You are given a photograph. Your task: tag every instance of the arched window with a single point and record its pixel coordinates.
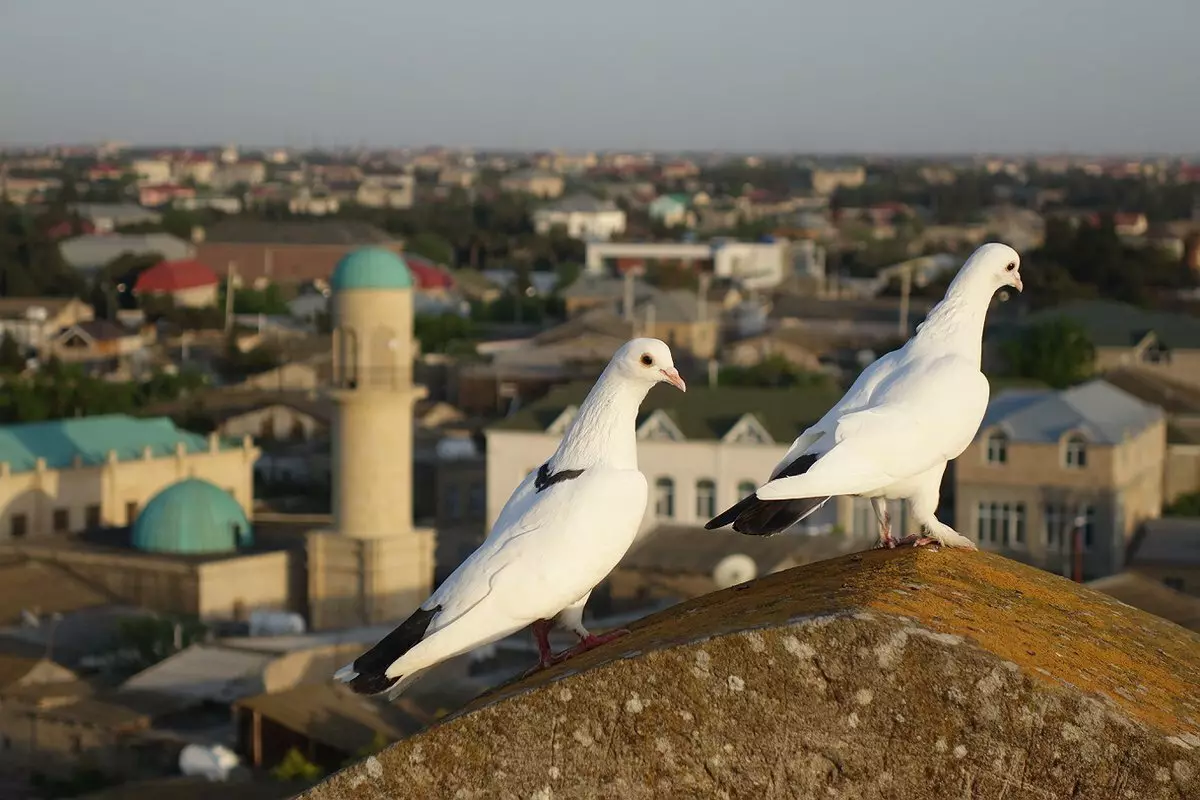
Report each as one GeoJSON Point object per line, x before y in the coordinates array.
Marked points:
{"type": "Point", "coordinates": [1075, 453]}
{"type": "Point", "coordinates": [746, 488]}
{"type": "Point", "coordinates": [664, 498]}
{"type": "Point", "coordinates": [298, 429]}
{"type": "Point", "coordinates": [706, 499]}
{"type": "Point", "coordinates": [997, 448]}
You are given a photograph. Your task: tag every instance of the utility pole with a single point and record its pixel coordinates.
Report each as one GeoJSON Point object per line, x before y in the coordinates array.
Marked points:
{"type": "Point", "coordinates": [230, 272]}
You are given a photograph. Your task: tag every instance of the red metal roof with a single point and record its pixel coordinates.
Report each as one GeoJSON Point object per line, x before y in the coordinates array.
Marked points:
{"type": "Point", "coordinates": [426, 274]}
{"type": "Point", "coordinates": [175, 276]}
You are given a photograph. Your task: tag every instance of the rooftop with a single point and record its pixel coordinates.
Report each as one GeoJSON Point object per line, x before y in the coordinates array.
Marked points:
{"type": "Point", "coordinates": [1139, 591]}
{"type": "Point", "coordinates": [92, 439]}
{"type": "Point", "coordinates": [1111, 324]}
{"type": "Point", "coordinates": [1169, 541]}
{"type": "Point", "coordinates": [700, 413]}
{"type": "Point", "coordinates": [372, 268]}
{"type": "Point", "coordinates": [245, 231]}
{"type": "Point", "coordinates": [175, 276]}
{"type": "Point", "coordinates": [683, 549]}
{"type": "Point", "coordinates": [192, 516]}
{"type": "Point", "coordinates": [1099, 411]}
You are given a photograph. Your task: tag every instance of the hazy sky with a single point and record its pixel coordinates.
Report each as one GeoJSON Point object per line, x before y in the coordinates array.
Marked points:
{"type": "Point", "coordinates": [840, 75]}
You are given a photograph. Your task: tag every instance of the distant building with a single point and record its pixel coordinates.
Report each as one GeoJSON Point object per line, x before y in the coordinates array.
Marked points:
{"type": "Point", "coordinates": [34, 321]}
{"type": "Point", "coordinates": [672, 210]}
{"type": "Point", "coordinates": [1126, 335]}
{"type": "Point", "coordinates": [701, 451]}
{"type": "Point", "coordinates": [89, 253]}
{"type": "Point", "coordinates": [1168, 550]}
{"type": "Point", "coordinates": [755, 265]}
{"type": "Point", "coordinates": [248, 173]}
{"type": "Point", "coordinates": [286, 252]}
{"type": "Point", "coordinates": [386, 191]}
{"type": "Point", "coordinates": [163, 194]}
{"type": "Point", "coordinates": [188, 283]}
{"type": "Point", "coordinates": [827, 181]}
{"type": "Point", "coordinates": [94, 340]}
{"type": "Point", "coordinates": [534, 182]}
{"type": "Point", "coordinates": [107, 217]}
{"type": "Point", "coordinates": [582, 217]}
{"type": "Point", "coordinates": [152, 171]}
{"type": "Point", "coordinates": [1048, 464]}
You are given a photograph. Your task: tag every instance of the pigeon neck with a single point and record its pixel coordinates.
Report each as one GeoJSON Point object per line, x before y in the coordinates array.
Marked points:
{"type": "Point", "coordinates": [958, 320]}
{"type": "Point", "coordinates": [603, 429]}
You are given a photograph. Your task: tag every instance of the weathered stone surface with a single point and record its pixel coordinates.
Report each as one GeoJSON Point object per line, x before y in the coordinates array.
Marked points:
{"type": "Point", "coordinates": [901, 674]}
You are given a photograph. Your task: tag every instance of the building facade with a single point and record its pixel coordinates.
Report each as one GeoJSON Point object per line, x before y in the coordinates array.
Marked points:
{"type": "Point", "coordinates": [1062, 480]}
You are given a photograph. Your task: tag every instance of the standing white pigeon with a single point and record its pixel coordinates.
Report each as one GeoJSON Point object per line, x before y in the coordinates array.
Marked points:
{"type": "Point", "coordinates": [909, 413]}
{"type": "Point", "coordinates": [563, 530]}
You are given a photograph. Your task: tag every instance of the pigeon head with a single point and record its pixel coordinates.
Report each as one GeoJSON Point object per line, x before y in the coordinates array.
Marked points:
{"type": "Point", "coordinates": [996, 266]}
{"type": "Point", "coordinates": [648, 360]}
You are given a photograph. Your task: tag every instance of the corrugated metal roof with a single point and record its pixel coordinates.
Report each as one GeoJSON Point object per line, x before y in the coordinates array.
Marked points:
{"type": "Point", "coordinates": [1168, 541]}
{"type": "Point", "coordinates": [1099, 411]}
{"type": "Point", "coordinates": [91, 439]}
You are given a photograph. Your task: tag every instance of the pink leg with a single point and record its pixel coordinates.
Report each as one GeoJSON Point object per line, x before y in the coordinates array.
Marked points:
{"type": "Point", "coordinates": [885, 527]}
{"type": "Point", "coordinates": [917, 541]}
{"type": "Point", "coordinates": [541, 635]}
{"type": "Point", "coordinates": [589, 642]}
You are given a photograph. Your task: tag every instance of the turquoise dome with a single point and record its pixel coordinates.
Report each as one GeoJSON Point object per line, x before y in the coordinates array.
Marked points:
{"type": "Point", "coordinates": [371, 268]}
{"type": "Point", "coordinates": [191, 517]}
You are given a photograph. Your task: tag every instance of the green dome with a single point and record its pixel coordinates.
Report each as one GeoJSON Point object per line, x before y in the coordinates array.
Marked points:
{"type": "Point", "coordinates": [371, 268]}
{"type": "Point", "coordinates": [192, 516]}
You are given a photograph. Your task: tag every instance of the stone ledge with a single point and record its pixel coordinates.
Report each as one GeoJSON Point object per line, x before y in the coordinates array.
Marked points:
{"type": "Point", "coordinates": [906, 673]}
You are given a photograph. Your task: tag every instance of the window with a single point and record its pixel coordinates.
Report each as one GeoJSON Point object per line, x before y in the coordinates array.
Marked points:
{"type": "Point", "coordinates": [1174, 583]}
{"type": "Point", "coordinates": [746, 488]}
{"type": "Point", "coordinates": [475, 497]}
{"type": "Point", "coordinates": [131, 511]}
{"type": "Point", "coordinates": [266, 429]}
{"type": "Point", "coordinates": [997, 448]}
{"type": "Point", "coordinates": [76, 744]}
{"type": "Point", "coordinates": [20, 526]}
{"type": "Point", "coordinates": [62, 520]}
{"type": "Point", "coordinates": [298, 430]}
{"type": "Point", "coordinates": [1001, 523]}
{"type": "Point", "coordinates": [453, 510]}
{"type": "Point", "coordinates": [1075, 453]}
{"type": "Point", "coordinates": [664, 498]}
{"type": "Point", "coordinates": [1061, 522]}
{"type": "Point", "coordinates": [706, 499]}
{"type": "Point", "coordinates": [91, 517]}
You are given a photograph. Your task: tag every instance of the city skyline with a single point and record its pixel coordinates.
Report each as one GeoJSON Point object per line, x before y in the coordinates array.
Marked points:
{"type": "Point", "coordinates": [934, 80]}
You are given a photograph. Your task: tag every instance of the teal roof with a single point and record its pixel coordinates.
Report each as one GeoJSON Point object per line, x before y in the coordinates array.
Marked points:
{"type": "Point", "coordinates": [371, 268]}
{"type": "Point", "coordinates": [60, 441]}
{"type": "Point", "coordinates": [192, 516]}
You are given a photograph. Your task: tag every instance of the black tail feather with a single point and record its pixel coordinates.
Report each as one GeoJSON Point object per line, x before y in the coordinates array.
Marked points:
{"type": "Point", "coordinates": [766, 517]}
{"type": "Point", "coordinates": [371, 667]}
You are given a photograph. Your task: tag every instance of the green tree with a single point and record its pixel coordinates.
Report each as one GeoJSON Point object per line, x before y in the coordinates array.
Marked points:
{"type": "Point", "coordinates": [1186, 505]}
{"type": "Point", "coordinates": [432, 246]}
{"type": "Point", "coordinates": [1057, 353]}
{"type": "Point", "coordinates": [11, 358]}
{"type": "Point", "coordinates": [438, 333]}
{"type": "Point", "coordinates": [295, 767]}
{"type": "Point", "coordinates": [774, 371]}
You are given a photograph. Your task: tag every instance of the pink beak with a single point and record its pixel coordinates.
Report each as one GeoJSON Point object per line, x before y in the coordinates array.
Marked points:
{"type": "Point", "coordinates": [675, 378]}
{"type": "Point", "coordinates": [1017, 283]}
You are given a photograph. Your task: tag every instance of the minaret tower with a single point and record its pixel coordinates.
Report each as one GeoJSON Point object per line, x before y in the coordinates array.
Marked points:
{"type": "Point", "coordinates": [374, 566]}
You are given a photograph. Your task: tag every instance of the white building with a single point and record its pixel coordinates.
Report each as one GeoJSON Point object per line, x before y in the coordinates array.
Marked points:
{"type": "Point", "coordinates": [584, 217]}
{"type": "Point", "coordinates": [701, 451]}
{"type": "Point", "coordinates": [755, 265]}
{"type": "Point", "coordinates": [152, 171]}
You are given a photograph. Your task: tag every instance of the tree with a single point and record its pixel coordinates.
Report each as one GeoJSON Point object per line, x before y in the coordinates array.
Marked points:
{"type": "Point", "coordinates": [295, 767]}
{"type": "Point", "coordinates": [11, 357]}
{"type": "Point", "coordinates": [775, 372]}
{"type": "Point", "coordinates": [432, 246]}
{"type": "Point", "coordinates": [1186, 505]}
{"type": "Point", "coordinates": [1057, 353]}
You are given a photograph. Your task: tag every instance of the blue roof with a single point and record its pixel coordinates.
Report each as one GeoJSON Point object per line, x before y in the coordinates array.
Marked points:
{"type": "Point", "coordinates": [371, 268]}
{"type": "Point", "coordinates": [190, 517]}
{"type": "Point", "coordinates": [60, 441]}
{"type": "Point", "coordinates": [1099, 411]}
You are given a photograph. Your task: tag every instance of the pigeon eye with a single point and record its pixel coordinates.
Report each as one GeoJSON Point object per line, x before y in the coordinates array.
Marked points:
{"type": "Point", "coordinates": [647, 360]}
{"type": "Point", "coordinates": [1011, 266]}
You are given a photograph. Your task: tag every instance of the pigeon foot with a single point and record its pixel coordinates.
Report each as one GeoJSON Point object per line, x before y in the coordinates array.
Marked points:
{"type": "Point", "coordinates": [590, 642]}
{"type": "Point", "coordinates": [919, 541]}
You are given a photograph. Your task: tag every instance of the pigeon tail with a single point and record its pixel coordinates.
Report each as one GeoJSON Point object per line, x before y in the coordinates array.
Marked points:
{"type": "Point", "coordinates": [368, 673]}
{"type": "Point", "coordinates": [757, 517]}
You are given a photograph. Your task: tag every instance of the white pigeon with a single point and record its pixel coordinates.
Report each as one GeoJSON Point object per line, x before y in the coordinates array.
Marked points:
{"type": "Point", "coordinates": [906, 415]}
{"type": "Point", "coordinates": [563, 530]}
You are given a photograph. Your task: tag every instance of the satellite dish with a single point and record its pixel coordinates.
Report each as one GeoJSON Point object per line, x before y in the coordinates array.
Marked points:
{"type": "Point", "coordinates": [734, 569]}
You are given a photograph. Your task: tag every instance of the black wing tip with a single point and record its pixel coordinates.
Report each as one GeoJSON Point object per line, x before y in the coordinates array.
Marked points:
{"type": "Point", "coordinates": [376, 683]}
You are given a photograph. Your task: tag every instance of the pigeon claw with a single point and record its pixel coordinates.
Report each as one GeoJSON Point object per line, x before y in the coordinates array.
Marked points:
{"type": "Point", "coordinates": [917, 540]}
{"type": "Point", "coordinates": [590, 642]}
